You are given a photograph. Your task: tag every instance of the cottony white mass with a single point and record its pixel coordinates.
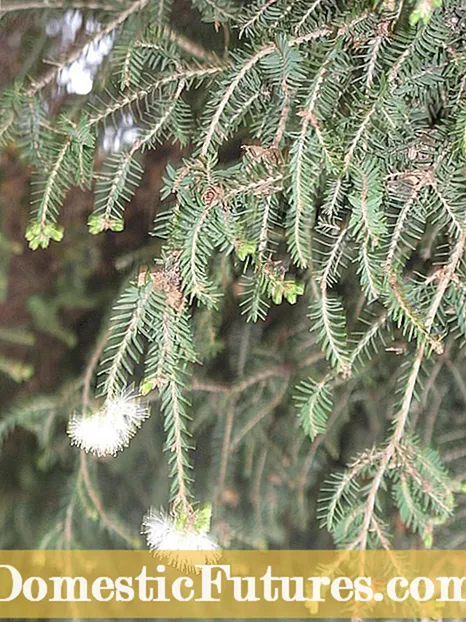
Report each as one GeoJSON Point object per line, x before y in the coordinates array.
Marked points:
{"type": "Point", "coordinates": [173, 543]}
{"type": "Point", "coordinates": [111, 428]}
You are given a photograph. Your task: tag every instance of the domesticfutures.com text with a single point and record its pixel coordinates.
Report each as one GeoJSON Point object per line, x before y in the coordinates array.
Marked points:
{"type": "Point", "coordinates": [211, 581]}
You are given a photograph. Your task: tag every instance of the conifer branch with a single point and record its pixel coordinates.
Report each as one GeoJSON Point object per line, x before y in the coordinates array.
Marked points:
{"type": "Point", "coordinates": [243, 71]}
{"type": "Point", "coordinates": [256, 15]}
{"type": "Point", "coordinates": [268, 408]}
{"type": "Point", "coordinates": [307, 14]}
{"type": "Point", "coordinates": [127, 100]}
{"type": "Point", "coordinates": [448, 208]}
{"type": "Point", "coordinates": [134, 7]}
{"type": "Point", "coordinates": [367, 267]}
{"type": "Point", "coordinates": [332, 152]}
{"type": "Point", "coordinates": [176, 429]}
{"type": "Point", "coordinates": [301, 185]}
{"type": "Point", "coordinates": [400, 225]}
{"type": "Point", "coordinates": [45, 207]}
{"type": "Point", "coordinates": [123, 338]}
{"type": "Point", "coordinates": [401, 417]}
{"type": "Point", "coordinates": [376, 45]}
{"type": "Point", "coordinates": [248, 65]}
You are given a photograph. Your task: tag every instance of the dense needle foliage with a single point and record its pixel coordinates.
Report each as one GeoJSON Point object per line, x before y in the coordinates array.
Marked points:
{"type": "Point", "coordinates": [297, 320]}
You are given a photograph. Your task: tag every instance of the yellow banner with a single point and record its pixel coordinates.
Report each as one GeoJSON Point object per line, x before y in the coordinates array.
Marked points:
{"type": "Point", "coordinates": [232, 584]}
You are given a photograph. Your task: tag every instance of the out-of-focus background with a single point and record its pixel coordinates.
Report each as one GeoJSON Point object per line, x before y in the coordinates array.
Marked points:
{"type": "Point", "coordinates": [53, 301]}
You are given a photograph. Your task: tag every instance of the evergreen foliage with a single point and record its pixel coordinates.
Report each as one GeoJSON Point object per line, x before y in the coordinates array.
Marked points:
{"type": "Point", "coordinates": [310, 266]}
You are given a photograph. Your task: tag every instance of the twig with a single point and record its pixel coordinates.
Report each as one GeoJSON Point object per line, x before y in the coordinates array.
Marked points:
{"type": "Point", "coordinates": [9, 7]}
{"type": "Point", "coordinates": [84, 471]}
{"type": "Point", "coordinates": [90, 370]}
{"type": "Point", "coordinates": [49, 76]}
{"type": "Point", "coordinates": [225, 448]}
